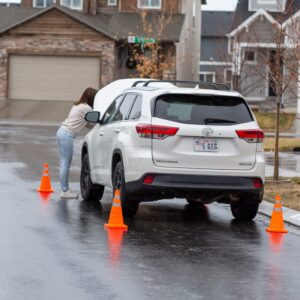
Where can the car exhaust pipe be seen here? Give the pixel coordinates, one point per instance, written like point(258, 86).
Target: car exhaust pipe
point(234, 197)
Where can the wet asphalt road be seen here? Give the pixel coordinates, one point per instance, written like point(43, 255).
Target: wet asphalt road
point(58, 249)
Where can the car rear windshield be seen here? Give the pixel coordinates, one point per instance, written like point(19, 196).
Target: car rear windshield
point(202, 110)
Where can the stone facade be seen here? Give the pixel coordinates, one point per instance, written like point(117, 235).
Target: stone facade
point(56, 46)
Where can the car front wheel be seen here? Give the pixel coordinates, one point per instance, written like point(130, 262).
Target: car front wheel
point(89, 191)
point(129, 206)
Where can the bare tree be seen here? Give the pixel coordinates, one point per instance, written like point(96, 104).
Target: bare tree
point(152, 56)
point(277, 63)
point(282, 64)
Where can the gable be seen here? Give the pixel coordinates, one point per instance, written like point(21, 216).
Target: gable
point(55, 22)
point(293, 19)
point(254, 18)
point(259, 31)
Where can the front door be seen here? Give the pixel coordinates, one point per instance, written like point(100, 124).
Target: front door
point(109, 133)
point(101, 140)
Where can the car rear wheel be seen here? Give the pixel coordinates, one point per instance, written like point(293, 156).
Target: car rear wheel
point(129, 206)
point(244, 211)
point(89, 191)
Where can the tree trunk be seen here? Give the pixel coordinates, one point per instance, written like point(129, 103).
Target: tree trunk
point(276, 153)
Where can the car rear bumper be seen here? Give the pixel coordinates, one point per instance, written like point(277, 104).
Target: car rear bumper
point(182, 185)
point(138, 161)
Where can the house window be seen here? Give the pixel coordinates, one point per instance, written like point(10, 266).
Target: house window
point(42, 3)
point(231, 45)
point(250, 56)
point(207, 76)
point(149, 4)
point(267, 2)
point(227, 75)
point(74, 4)
point(268, 5)
point(10, 3)
point(112, 2)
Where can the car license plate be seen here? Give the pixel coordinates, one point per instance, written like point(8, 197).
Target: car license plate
point(206, 145)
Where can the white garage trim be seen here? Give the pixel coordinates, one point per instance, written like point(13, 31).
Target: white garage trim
point(52, 77)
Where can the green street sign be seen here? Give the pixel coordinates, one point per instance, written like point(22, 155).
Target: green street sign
point(141, 40)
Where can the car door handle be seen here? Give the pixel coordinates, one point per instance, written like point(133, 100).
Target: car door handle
point(117, 130)
point(101, 133)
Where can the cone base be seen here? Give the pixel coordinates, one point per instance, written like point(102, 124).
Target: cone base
point(109, 226)
point(45, 191)
point(276, 230)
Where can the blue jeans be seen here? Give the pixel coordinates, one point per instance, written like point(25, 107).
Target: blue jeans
point(65, 140)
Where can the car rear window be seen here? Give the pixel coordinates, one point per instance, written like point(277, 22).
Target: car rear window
point(202, 110)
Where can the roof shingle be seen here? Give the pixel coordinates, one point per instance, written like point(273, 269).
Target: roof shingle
point(216, 23)
point(117, 26)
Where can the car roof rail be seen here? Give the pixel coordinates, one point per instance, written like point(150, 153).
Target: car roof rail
point(216, 86)
point(137, 82)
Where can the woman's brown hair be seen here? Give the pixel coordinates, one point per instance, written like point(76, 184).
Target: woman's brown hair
point(87, 97)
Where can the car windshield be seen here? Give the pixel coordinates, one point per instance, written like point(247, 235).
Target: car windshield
point(202, 109)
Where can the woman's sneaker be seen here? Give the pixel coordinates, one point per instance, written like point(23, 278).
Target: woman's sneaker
point(69, 195)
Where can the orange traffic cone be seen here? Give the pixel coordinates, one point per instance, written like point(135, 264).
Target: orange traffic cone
point(277, 224)
point(45, 185)
point(116, 216)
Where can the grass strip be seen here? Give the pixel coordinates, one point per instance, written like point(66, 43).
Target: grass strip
point(285, 144)
point(288, 189)
point(266, 120)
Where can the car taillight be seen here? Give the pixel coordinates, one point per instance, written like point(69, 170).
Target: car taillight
point(257, 183)
point(158, 132)
point(148, 179)
point(251, 136)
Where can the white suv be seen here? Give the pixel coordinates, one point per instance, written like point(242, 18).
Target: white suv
point(160, 142)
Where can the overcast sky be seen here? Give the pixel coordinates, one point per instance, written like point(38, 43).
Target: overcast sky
point(220, 5)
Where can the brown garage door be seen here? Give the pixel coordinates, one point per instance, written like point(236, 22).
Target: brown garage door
point(51, 77)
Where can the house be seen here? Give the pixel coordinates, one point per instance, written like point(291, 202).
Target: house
point(215, 63)
point(257, 36)
point(292, 27)
point(53, 49)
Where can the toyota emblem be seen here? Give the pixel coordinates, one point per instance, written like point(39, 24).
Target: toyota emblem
point(207, 131)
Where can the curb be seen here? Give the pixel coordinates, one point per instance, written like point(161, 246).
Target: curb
point(291, 216)
point(283, 135)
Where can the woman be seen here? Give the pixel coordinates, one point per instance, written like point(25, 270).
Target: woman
point(66, 134)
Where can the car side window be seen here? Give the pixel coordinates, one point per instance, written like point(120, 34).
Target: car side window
point(136, 110)
point(111, 111)
point(124, 109)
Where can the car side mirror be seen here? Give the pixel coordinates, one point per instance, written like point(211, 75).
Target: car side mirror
point(93, 117)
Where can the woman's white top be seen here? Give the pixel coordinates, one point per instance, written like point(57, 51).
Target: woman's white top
point(75, 121)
